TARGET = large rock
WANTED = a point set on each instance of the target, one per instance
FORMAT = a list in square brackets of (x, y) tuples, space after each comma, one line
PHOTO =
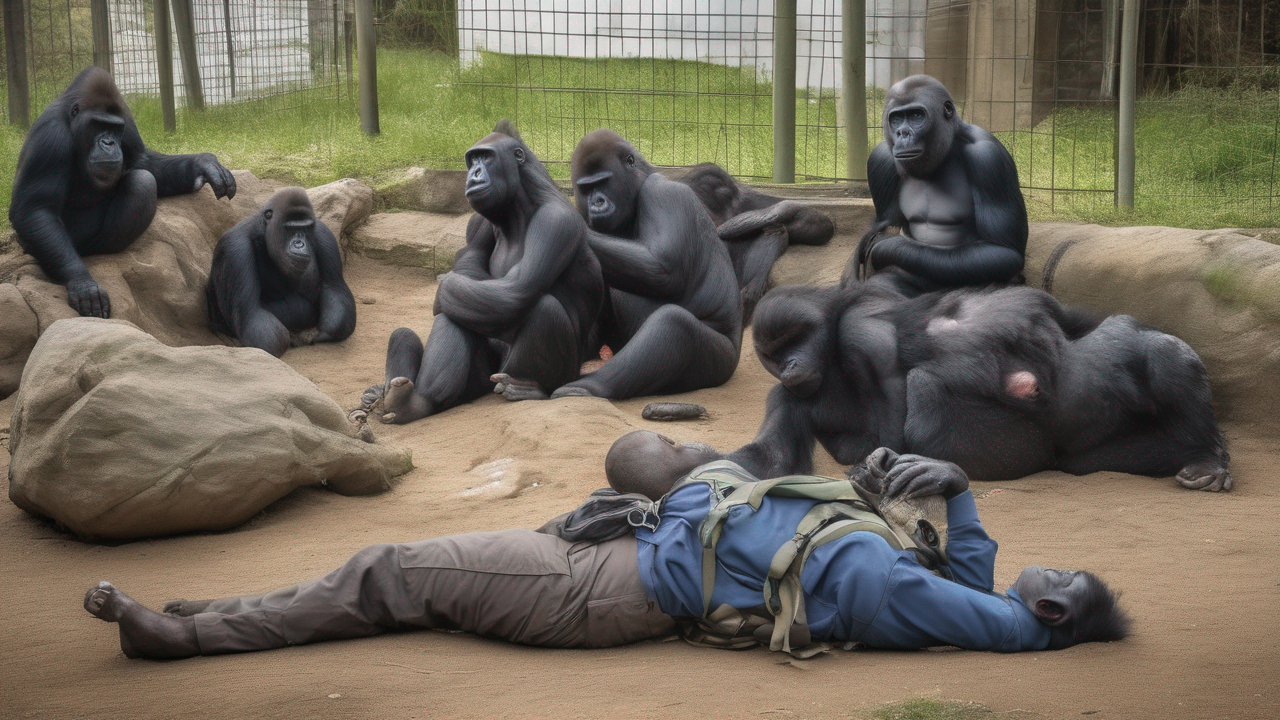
[(1218, 290), (158, 282), (116, 435), (433, 191), (413, 239)]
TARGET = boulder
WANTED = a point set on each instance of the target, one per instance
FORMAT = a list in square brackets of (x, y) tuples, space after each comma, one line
[(1218, 290), (116, 435), (413, 239), (158, 282), (433, 191)]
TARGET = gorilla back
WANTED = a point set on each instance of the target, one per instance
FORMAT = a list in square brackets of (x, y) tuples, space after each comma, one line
[(87, 185), (1003, 382)]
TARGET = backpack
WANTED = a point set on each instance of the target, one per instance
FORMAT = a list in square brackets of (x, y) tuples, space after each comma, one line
[(843, 507)]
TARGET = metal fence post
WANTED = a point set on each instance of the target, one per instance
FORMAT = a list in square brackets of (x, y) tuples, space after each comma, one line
[(784, 91), (164, 64), (15, 58), (853, 35), (1125, 149), (367, 56), (185, 26), (100, 19)]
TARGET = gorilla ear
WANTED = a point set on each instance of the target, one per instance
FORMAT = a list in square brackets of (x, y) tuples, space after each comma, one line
[(631, 159), (948, 109), (266, 214), (75, 110), (519, 155), (506, 127)]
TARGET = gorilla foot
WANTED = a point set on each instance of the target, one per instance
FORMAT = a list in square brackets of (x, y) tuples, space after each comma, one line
[(571, 391), (1022, 385), (398, 394), (143, 632), (1208, 475), (370, 404), (186, 608), (515, 389)]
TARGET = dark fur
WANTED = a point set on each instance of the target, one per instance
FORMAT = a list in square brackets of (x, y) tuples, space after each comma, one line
[(522, 300), (756, 228), (674, 313), (864, 367), (996, 233), (61, 213), (261, 299), (1101, 619)]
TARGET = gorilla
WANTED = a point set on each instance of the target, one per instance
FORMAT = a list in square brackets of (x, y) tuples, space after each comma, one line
[(516, 314), (951, 190), (674, 317), (87, 185), (756, 228), (1003, 382), (279, 272)]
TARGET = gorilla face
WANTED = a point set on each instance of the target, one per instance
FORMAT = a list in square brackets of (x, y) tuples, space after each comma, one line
[(792, 342), (493, 172), (606, 181), (919, 124), (290, 225), (96, 135)]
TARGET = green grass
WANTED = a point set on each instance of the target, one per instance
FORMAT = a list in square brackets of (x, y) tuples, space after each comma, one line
[(1205, 158)]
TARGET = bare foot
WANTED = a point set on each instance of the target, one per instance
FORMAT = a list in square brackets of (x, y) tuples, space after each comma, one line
[(515, 389), (1208, 475), (399, 392), (186, 608), (143, 632), (1022, 385)]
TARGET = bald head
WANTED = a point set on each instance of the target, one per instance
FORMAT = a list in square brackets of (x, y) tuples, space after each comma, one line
[(648, 463)]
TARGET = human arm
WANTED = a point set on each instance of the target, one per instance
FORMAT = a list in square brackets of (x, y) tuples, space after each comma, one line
[(337, 305), (656, 263), (488, 306)]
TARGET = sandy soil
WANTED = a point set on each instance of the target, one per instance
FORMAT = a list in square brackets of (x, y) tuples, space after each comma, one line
[(1201, 574)]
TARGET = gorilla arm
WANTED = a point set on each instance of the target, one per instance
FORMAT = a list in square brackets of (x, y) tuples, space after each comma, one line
[(183, 174), (655, 264), (336, 304), (1000, 218), (44, 176), (491, 306), (239, 291), (784, 444)]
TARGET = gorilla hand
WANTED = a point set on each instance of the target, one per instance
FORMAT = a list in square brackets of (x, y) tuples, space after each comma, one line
[(209, 170), (87, 298), (914, 476)]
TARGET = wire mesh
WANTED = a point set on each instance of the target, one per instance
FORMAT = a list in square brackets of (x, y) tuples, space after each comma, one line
[(278, 52)]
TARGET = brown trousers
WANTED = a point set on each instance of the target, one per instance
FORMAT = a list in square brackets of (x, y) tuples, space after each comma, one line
[(515, 585)]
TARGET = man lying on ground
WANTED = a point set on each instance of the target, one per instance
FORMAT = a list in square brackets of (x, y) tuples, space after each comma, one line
[(538, 589)]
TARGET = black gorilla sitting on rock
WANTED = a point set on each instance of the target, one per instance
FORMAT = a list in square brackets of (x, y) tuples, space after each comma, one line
[(674, 312), (951, 190), (279, 272), (87, 185), (1002, 382), (516, 314)]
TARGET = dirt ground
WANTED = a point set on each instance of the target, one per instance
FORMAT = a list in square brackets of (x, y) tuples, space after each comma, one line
[(1200, 574)]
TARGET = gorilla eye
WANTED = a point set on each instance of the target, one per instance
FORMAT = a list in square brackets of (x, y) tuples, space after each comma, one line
[(267, 214), (916, 115)]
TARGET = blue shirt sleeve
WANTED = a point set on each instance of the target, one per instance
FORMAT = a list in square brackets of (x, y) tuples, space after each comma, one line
[(970, 551)]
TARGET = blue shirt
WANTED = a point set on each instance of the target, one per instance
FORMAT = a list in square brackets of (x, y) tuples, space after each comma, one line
[(855, 588)]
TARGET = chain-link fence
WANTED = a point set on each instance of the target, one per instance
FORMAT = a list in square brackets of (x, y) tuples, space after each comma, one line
[(691, 82), (276, 52)]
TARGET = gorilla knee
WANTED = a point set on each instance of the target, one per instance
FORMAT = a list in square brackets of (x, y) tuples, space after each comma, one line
[(140, 184)]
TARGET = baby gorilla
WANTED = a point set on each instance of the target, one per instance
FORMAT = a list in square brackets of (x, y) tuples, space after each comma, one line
[(279, 272)]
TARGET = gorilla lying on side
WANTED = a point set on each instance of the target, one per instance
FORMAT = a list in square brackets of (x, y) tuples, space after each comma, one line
[(277, 272), (756, 228), (1002, 382), (87, 185)]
